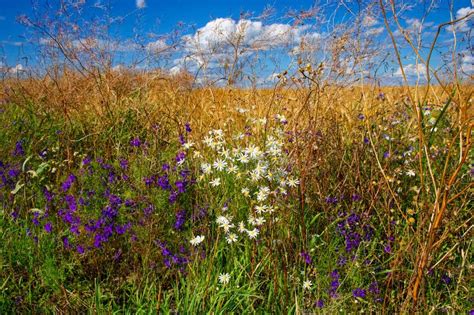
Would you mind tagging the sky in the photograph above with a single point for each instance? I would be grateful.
(209, 23)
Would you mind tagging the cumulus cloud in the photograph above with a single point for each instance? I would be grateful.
(467, 63)
(140, 4)
(17, 69)
(369, 21)
(217, 40)
(411, 70)
(466, 24)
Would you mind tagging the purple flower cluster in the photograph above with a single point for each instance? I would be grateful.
(334, 284)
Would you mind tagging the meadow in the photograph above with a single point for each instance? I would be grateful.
(137, 192)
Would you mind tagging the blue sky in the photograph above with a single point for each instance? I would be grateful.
(145, 17)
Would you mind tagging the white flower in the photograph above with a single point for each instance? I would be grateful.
(410, 173)
(231, 238)
(220, 164)
(188, 145)
(255, 176)
(253, 233)
(215, 182)
(243, 158)
(260, 209)
(253, 151)
(197, 240)
(224, 278)
(307, 284)
(221, 220)
(263, 193)
(209, 141)
(206, 168)
(292, 182)
(260, 221)
(197, 154)
(232, 169)
(242, 227)
(245, 191)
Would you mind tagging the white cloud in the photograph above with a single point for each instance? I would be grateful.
(467, 63)
(17, 69)
(464, 25)
(157, 46)
(140, 4)
(375, 31)
(411, 70)
(369, 21)
(214, 43)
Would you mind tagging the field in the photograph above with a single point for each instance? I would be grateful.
(135, 192)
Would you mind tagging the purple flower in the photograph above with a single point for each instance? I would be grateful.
(187, 126)
(80, 249)
(181, 139)
(334, 284)
(19, 151)
(181, 186)
(66, 185)
(361, 116)
(71, 202)
(48, 227)
(387, 249)
(446, 279)
(180, 219)
(359, 293)
(165, 167)
(87, 160)
(386, 155)
(135, 142)
(306, 257)
(173, 196)
(320, 303)
(180, 157)
(123, 164)
(66, 243)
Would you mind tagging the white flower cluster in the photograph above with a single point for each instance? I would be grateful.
(251, 168)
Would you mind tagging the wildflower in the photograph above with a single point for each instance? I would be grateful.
(259, 221)
(19, 151)
(306, 257)
(307, 284)
(221, 220)
(243, 158)
(245, 191)
(410, 173)
(187, 127)
(180, 157)
(320, 303)
(232, 169)
(242, 227)
(135, 142)
(231, 238)
(188, 145)
(206, 168)
(260, 209)
(359, 293)
(220, 165)
(224, 278)
(48, 227)
(197, 240)
(215, 182)
(253, 233)
(292, 182)
(263, 193)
